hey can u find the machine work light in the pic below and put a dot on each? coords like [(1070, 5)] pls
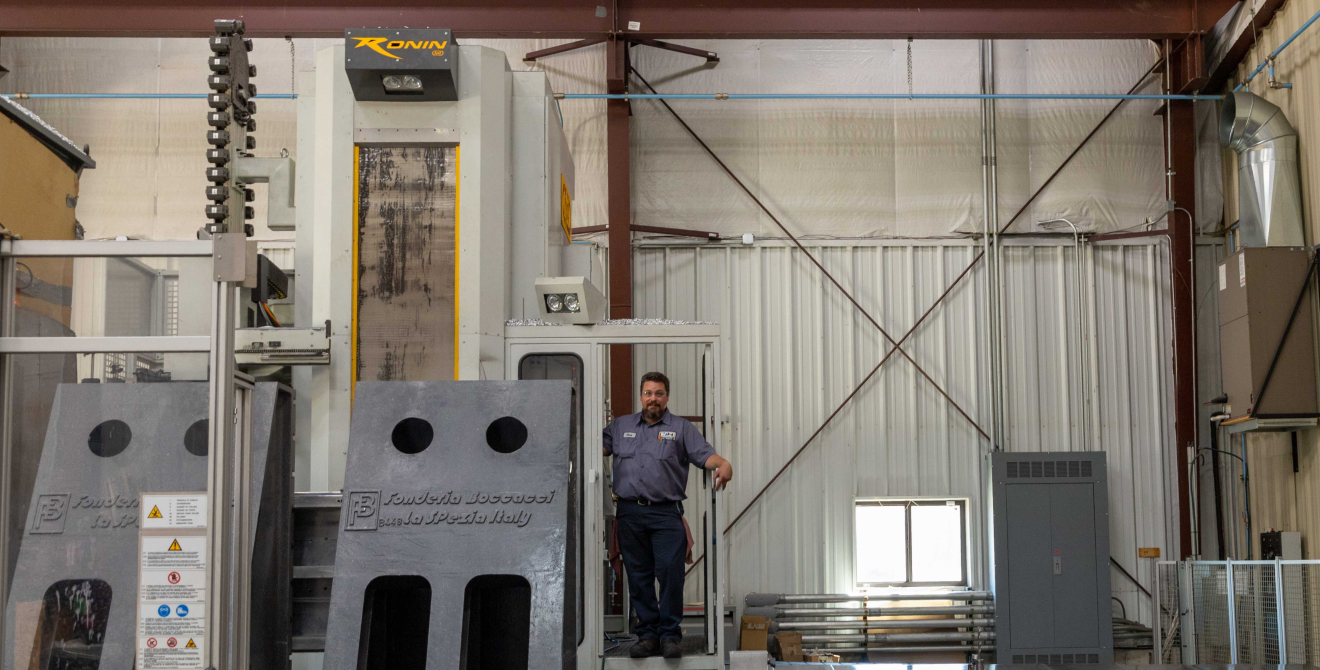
[(570, 300)]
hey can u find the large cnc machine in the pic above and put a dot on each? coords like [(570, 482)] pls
[(433, 213)]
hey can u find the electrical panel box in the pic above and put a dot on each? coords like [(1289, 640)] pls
[(1283, 544), (1258, 289), (1050, 558)]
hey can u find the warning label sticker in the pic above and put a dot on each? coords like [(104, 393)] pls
[(171, 635), (172, 620), (169, 553), (172, 603), (178, 584), (172, 583), (174, 510)]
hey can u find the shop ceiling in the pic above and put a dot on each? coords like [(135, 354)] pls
[(714, 19)]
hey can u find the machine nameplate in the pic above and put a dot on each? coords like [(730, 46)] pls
[(499, 517), (112, 500), (114, 521), (54, 509), (454, 498), (364, 508)]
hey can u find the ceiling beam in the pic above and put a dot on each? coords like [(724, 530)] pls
[(576, 19)]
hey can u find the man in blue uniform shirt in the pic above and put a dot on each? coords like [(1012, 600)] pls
[(652, 450)]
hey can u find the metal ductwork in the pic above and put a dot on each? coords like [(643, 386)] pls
[(1269, 185)]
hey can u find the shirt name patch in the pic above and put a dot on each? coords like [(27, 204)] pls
[(668, 434), (630, 434)]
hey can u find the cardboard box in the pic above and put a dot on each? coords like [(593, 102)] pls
[(754, 632), (820, 657), (790, 646), (748, 660)]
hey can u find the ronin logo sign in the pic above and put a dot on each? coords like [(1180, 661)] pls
[(381, 44)]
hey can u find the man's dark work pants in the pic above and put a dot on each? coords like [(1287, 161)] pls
[(654, 546)]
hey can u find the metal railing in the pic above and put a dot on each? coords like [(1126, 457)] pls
[(1251, 612)]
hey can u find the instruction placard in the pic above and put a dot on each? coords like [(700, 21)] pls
[(172, 582), (174, 511)]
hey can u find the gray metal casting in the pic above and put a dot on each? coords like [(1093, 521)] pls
[(455, 511), (82, 523), (1269, 182)]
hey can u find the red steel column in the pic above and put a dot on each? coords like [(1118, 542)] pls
[(620, 218), (1182, 236)]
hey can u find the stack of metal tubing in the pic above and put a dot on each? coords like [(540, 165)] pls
[(889, 622)]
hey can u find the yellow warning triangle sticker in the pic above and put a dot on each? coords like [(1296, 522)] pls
[(155, 513), (190, 645), (174, 546)]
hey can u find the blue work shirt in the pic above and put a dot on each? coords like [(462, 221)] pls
[(651, 461)]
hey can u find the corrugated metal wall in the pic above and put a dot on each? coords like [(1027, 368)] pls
[(1272, 475), (795, 348)]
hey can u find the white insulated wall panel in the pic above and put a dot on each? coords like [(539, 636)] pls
[(795, 348)]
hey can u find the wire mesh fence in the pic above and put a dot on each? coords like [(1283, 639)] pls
[(1168, 626), (1247, 612), (1301, 609)]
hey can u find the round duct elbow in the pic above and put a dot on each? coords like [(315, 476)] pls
[(1248, 120)]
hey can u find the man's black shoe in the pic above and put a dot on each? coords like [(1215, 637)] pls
[(673, 649), (644, 648)]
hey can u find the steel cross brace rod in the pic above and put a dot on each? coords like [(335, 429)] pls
[(659, 230), (814, 260), (957, 280), (710, 56)]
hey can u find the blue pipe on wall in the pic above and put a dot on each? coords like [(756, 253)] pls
[(1269, 61), (131, 96), (688, 96), (884, 96)]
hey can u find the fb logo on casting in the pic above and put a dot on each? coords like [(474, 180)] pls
[(50, 513), (362, 509)]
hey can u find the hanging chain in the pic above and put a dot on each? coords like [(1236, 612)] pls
[(909, 67), (293, 66)]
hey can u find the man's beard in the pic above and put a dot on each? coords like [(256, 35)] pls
[(652, 412)]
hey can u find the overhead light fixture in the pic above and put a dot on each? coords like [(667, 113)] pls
[(570, 300)]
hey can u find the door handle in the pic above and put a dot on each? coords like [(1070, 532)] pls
[(1058, 564)]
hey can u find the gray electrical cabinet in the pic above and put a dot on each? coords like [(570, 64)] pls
[(1050, 558)]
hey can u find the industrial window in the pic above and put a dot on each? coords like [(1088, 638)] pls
[(904, 542)]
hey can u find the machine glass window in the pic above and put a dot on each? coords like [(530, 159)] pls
[(903, 542), (567, 366)]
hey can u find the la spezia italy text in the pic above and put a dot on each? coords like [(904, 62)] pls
[(514, 517)]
